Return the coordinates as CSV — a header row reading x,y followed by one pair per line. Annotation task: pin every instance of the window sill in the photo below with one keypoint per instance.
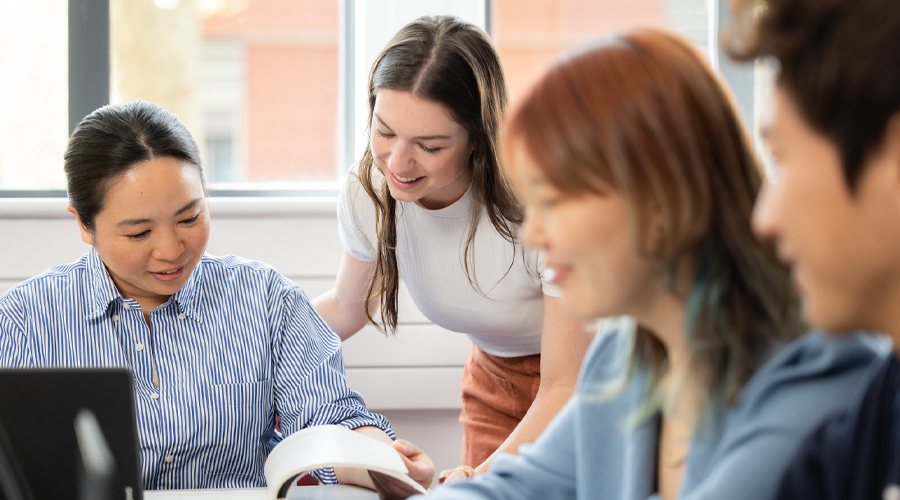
x,y
236,207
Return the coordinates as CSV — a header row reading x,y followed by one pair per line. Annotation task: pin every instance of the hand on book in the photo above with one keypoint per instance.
x,y
421,470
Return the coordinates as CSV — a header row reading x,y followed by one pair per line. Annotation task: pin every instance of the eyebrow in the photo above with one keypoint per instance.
x,y
421,137
135,222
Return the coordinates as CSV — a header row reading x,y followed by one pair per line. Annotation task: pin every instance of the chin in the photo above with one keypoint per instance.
x,y
401,195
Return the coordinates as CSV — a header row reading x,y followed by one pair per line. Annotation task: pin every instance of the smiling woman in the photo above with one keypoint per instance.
x,y
218,346
429,203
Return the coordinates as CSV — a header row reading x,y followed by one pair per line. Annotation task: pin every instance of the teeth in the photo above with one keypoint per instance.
x,y
405,179
168,272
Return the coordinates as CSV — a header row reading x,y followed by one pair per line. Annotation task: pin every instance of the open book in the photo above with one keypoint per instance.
x,y
330,446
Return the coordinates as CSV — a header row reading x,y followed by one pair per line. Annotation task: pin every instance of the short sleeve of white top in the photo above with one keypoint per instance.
x,y
506,321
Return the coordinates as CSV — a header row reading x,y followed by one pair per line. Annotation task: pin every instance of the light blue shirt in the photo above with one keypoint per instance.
x,y
590,451
236,346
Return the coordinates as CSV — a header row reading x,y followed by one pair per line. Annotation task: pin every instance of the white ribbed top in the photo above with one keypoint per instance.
x,y
430,245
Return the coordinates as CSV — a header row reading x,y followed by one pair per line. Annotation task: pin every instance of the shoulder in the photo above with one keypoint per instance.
x,y
232,264
54,278
241,273
352,196
816,356
844,457
810,378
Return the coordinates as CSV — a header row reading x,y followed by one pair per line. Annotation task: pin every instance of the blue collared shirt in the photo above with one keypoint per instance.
x,y
236,346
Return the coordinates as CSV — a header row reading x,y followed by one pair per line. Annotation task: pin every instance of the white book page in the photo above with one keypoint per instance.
x,y
332,446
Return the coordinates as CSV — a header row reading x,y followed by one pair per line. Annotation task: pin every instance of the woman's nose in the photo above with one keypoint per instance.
x,y
169,247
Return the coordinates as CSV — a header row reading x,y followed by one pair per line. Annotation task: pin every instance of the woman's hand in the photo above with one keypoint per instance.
x,y
461,473
421,470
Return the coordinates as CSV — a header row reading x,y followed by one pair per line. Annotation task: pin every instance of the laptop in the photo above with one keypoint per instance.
x,y
68,433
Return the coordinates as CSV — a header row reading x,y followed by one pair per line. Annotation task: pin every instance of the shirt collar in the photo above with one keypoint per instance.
x,y
190,296
102,291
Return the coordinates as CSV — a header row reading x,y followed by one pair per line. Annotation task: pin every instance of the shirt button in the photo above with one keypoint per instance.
x,y
891,492
115,317
181,316
169,459
126,305
139,346
154,395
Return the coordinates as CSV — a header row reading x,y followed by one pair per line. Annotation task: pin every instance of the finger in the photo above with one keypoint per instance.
x,y
389,488
444,475
456,475
406,448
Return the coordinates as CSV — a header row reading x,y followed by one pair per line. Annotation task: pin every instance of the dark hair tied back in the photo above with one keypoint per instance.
x,y
110,141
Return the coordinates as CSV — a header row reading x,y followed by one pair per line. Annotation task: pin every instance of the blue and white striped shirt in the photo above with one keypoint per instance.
x,y
237,345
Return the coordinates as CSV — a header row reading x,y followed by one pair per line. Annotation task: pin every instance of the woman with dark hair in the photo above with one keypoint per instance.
x,y
428,203
639,184
834,135
218,346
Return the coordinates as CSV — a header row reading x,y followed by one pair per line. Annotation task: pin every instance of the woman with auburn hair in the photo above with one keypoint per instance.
x,y
639,184
428,203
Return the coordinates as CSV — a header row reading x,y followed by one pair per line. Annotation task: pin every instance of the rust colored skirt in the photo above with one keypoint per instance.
x,y
496,394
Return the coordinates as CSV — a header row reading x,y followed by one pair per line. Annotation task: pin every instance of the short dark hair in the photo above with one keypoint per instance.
x,y
839,62
110,141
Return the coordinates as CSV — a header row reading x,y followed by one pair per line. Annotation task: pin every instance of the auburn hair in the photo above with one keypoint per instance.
x,y
642,113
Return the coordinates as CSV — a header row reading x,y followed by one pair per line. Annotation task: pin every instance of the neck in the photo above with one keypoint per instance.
x,y
664,316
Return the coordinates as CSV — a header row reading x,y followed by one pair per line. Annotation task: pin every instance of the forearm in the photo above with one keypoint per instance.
x,y
360,477
344,321
547,403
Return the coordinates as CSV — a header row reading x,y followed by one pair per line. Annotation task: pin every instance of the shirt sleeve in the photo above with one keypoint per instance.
x,y
548,468
545,469
535,258
13,342
356,219
310,386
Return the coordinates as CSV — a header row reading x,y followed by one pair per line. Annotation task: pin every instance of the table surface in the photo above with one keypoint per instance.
x,y
296,493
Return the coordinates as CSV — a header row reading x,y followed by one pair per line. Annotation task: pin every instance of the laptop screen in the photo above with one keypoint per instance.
x,y
38,410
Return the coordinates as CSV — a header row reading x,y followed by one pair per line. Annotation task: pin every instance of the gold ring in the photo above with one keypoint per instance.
x,y
465,470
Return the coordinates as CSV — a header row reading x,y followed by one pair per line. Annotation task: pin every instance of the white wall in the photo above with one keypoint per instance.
x,y
412,378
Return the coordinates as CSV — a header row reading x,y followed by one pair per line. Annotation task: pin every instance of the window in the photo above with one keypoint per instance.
x,y
531,34
273,90
255,82
33,99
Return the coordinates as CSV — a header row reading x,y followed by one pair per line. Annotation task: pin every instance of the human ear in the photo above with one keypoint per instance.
x,y
86,236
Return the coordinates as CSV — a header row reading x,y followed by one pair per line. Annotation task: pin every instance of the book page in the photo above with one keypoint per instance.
x,y
331,446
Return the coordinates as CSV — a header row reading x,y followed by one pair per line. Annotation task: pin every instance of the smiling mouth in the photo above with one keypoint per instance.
x,y
169,275
406,179
404,182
